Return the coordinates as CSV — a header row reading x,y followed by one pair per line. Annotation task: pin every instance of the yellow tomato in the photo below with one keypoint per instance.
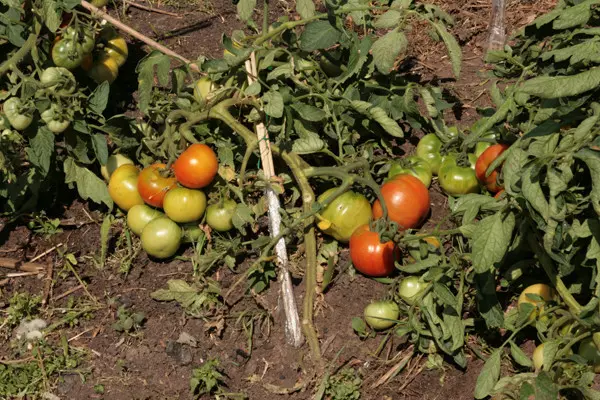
x,y
122,187
540,289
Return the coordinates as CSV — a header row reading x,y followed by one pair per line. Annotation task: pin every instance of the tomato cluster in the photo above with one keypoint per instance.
x,y
176,191
458,173
100,55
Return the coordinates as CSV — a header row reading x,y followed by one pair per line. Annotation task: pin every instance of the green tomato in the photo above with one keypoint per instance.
x,y
381,314
456,180
161,238
412,165
84,36
17,115
429,150
191,232
220,216
410,288
331,70
55,120
480,147
67,53
139,216
57,79
589,351
203,90
344,214
113,162
184,205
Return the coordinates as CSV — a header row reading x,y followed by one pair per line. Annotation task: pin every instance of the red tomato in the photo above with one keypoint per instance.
x,y
196,167
369,255
484,161
153,186
407,201
498,195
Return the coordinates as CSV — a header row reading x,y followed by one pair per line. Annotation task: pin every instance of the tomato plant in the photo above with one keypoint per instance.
x,y
428,149
67,53
369,255
184,205
484,161
196,167
219,216
406,199
413,165
536,295
139,216
17,113
82,35
589,351
381,314
344,214
456,179
56,119
153,185
410,289
58,79
161,238
123,187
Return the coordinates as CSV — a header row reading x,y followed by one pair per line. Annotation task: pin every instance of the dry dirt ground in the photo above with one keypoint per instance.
x,y
151,364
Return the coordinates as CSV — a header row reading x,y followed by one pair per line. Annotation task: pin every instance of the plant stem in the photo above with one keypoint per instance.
x,y
19,54
265,28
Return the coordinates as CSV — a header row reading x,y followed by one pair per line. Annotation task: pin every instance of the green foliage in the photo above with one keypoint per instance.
x,y
128,321
196,300
21,306
344,385
206,379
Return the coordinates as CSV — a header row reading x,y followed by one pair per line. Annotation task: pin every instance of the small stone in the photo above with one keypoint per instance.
x,y
180,353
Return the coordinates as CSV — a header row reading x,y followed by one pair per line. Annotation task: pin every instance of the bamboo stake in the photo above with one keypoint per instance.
x,y
292,321
130,31
150,9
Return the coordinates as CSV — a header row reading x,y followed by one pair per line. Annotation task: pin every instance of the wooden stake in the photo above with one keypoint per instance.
x,y
292,321
150,9
130,31
13,263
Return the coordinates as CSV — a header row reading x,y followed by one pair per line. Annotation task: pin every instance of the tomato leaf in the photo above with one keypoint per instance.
x,y
388,20
41,150
379,115
50,15
488,376
574,16
145,70
532,190
386,49
245,8
242,215
319,35
308,112
431,261
253,89
444,294
592,159
306,8
88,184
491,240
273,104
519,355
99,98
359,53
470,205
553,87
100,148
452,46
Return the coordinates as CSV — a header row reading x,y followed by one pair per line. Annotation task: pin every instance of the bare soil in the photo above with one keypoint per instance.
x,y
152,365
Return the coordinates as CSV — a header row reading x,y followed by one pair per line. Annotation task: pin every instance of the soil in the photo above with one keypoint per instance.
x,y
152,364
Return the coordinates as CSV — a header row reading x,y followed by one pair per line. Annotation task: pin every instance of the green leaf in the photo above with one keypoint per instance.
x,y
416,267
284,70
452,46
387,20
588,51
592,159
553,87
532,190
245,8
574,16
145,70
319,35
273,104
309,142
306,8
359,53
488,376
386,49
50,15
104,237
379,115
491,240
242,215
41,150
253,89
513,168
89,186
99,98
445,295
519,355
545,388
308,112
100,148
470,205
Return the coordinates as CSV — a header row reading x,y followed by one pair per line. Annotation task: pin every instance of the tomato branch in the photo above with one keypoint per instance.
x,y
19,54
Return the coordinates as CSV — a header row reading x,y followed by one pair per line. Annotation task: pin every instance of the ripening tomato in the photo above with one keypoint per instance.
x,y
104,70
428,149
410,288
220,216
139,216
412,165
539,289
407,201
67,54
498,195
538,357
161,238
112,163
123,187
343,215
153,186
196,167
484,161
369,255
204,89
184,205
115,47
456,179
381,314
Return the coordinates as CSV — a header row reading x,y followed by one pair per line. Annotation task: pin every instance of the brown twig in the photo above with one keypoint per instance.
x,y
34,259
47,284
130,31
154,10
13,263
68,292
19,274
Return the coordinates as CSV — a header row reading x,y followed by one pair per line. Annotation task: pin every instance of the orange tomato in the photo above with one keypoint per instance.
x,y
196,167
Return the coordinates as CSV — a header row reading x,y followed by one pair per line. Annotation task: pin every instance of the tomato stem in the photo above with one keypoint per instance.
x,y
20,54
